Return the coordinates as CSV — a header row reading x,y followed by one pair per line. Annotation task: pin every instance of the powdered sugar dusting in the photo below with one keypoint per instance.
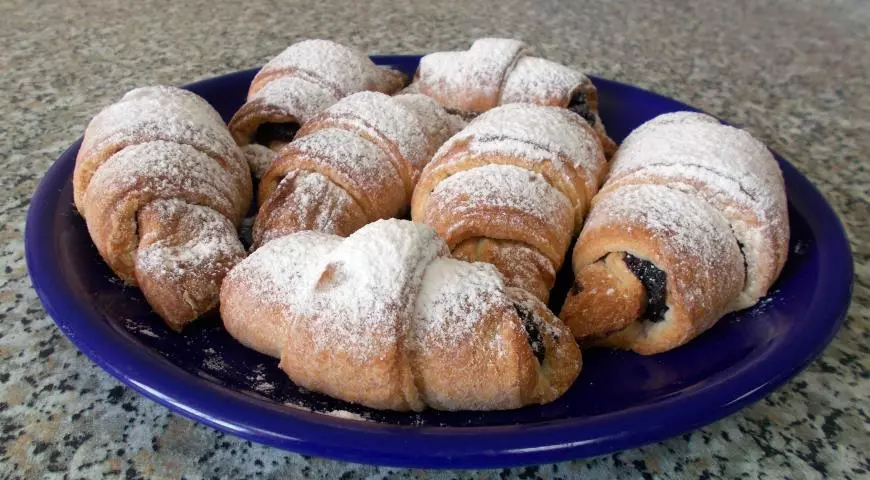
x,y
213,243
539,133
374,275
481,68
314,201
380,115
167,170
454,298
162,113
361,165
535,79
437,123
295,97
726,167
729,152
345,70
259,158
686,229
513,189
354,292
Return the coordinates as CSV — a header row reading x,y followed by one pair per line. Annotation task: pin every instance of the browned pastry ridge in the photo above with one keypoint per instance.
x,y
356,162
385,318
500,71
511,189
691,224
297,85
162,187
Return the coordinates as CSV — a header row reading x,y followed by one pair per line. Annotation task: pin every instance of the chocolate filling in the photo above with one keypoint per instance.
x,y
579,106
533,334
275,132
654,282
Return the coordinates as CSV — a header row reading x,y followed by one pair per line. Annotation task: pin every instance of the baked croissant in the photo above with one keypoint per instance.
x,y
511,189
298,84
356,162
691,224
499,71
162,187
385,318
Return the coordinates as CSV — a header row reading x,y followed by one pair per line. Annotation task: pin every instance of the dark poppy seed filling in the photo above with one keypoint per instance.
x,y
579,106
654,282
533,334
275,132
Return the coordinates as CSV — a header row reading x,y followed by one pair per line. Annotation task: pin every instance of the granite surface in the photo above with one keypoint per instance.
x,y
794,73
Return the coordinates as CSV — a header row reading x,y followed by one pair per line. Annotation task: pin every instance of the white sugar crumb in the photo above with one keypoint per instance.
x,y
137,327
454,298
259,158
344,69
213,362
345,415
258,381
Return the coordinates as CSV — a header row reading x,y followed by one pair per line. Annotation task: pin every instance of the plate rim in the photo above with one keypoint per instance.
x,y
443,447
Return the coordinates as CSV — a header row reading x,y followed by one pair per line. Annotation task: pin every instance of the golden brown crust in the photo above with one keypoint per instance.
x,y
606,298
522,265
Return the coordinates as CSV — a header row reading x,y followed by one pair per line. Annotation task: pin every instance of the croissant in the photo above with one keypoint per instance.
x,y
385,318
162,187
499,71
511,189
691,224
298,84
356,162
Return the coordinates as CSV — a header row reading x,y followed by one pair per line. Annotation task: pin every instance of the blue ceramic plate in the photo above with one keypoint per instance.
x,y
621,400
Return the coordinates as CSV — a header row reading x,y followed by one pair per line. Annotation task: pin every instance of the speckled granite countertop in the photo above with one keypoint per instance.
x,y
794,74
